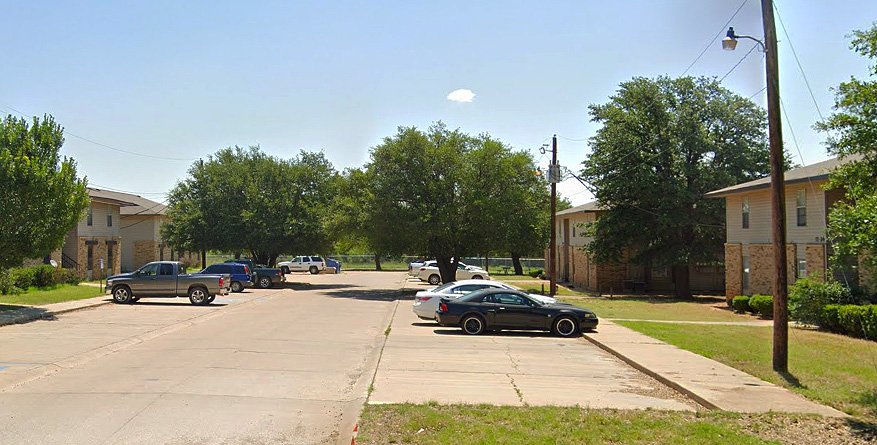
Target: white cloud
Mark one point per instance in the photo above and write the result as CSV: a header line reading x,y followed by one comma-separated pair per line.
x,y
461,95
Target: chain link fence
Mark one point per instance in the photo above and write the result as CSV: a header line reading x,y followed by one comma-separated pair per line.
x,y
495,265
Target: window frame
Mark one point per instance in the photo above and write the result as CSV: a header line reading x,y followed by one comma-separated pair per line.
x,y
745,211
801,207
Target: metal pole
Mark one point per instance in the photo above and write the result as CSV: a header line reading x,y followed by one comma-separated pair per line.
x,y
778,194
552,248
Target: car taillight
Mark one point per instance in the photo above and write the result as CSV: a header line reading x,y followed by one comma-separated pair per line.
x,y
443,307
221,281
279,273
246,270
423,298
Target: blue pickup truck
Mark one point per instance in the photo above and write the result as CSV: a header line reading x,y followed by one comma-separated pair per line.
x,y
240,274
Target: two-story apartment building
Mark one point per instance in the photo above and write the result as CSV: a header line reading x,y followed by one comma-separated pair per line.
x,y
96,237
749,262
575,266
141,232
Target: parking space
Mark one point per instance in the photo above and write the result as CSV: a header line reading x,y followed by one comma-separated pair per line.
x,y
424,362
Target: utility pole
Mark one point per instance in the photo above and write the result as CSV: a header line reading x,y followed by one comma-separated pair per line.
x,y
778,194
553,171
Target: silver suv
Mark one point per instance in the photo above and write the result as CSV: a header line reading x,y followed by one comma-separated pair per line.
x,y
312,264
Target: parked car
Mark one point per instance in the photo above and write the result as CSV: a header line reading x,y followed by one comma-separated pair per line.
x,y
312,264
167,279
334,263
240,274
429,272
495,309
261,275
426,302
414,266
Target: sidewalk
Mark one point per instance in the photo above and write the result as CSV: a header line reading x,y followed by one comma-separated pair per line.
x,y
712,384
31,313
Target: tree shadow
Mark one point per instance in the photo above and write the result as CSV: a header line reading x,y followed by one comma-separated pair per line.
x,y
664,299
374,294
15,314
310,286
864,429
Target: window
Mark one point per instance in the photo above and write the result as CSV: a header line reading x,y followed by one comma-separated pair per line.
x,y
110,257
510,299
88,220
746,212
166,269
802,269
149,270
573,231
801,207
90,262
109,220
745,274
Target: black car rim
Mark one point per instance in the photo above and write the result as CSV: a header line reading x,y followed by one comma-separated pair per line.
x,y
472,325
265,282
565,327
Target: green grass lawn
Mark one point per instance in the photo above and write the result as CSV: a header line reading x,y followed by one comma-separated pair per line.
x,y
829,368
485,424
57,294
651,307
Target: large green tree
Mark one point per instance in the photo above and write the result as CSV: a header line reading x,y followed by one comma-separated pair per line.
x,y
41,198
852,130
662,145
245,200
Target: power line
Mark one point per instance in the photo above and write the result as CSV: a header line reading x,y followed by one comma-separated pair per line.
x,y
125,191
758,92
739,62
715,37
798,61
99,144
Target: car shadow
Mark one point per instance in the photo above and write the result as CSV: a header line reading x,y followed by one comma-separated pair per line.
x,y
174,303
374,294
528,334
424,324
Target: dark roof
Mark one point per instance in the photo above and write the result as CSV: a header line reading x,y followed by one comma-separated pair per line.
x,y
130,204
812,172
584,208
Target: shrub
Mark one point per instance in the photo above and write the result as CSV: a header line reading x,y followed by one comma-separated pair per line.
x,y
535,273
740,303
829,317
808,297
6,284
66,276
23,277
44,276
762,305
858,321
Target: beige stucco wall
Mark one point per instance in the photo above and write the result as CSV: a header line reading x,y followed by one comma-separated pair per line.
x,y
136,228
99,225
760,216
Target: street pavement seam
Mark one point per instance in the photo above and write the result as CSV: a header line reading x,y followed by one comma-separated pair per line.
x,y
92,354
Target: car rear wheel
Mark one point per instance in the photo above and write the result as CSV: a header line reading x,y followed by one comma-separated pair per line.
x,y
566,327
198,296
122,294
472,325
434,279
264,282
236,286
313,270
477,277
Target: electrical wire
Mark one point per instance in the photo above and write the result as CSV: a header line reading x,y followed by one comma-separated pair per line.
x,y
102,187
99,144
739,62
798,62
708,45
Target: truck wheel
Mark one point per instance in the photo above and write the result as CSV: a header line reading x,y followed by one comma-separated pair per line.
x,y
285,270
236,286
264,282
122,294
314,270
210,300
198,296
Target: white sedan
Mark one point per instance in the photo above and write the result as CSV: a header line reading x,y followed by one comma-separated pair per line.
x,y
426,302
429,272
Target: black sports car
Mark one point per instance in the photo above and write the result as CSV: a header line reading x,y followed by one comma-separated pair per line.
x,y
509,309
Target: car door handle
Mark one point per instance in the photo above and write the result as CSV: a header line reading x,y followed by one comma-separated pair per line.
x,y
491,310
502,308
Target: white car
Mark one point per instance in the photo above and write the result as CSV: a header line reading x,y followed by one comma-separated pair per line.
x,y
426,302
429,272
312,264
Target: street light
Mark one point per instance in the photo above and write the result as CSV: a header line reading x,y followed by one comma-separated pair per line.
x,y
729,43
777,183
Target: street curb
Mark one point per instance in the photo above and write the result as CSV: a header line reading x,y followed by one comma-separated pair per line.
x,y
679,388
27,317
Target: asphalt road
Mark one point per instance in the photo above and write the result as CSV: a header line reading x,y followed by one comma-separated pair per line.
x,y
272,366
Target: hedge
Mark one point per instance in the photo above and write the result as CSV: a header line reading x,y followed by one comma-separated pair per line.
x,y
17,280
853,320
762,305
740,303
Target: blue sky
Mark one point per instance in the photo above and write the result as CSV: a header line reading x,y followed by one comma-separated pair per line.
x,y
184,79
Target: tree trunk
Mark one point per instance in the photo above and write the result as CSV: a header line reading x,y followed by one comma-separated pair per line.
x,y
487,263
447,268
682,281
516,262
203,258
272,261
378,261
237,255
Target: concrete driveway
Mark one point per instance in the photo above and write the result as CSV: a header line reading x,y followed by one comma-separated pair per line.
x,y
263,367
423,362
